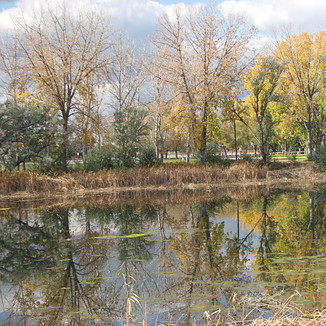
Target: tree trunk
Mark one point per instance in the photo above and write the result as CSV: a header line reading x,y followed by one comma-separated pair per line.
x,y
264,153
235,139
64,149
176,152
203,140
309,138
225,151
201,156
188,147
157,151
84,155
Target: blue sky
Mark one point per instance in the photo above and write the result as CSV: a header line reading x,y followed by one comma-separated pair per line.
x,y
6,4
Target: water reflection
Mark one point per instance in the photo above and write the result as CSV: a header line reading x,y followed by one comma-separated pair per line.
x,y
162,264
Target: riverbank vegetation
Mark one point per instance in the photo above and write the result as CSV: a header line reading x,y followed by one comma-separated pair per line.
x,y
169,175
165,176
198,93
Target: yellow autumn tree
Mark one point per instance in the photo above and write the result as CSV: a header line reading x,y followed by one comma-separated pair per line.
x,y
197,54
304,57
261,82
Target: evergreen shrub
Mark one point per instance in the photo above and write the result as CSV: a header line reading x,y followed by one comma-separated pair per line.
x,y
147,156
319,157
212,158
99,158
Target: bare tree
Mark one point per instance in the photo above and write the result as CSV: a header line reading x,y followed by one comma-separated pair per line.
x,y
198,55
13,76
62,51
125,74
90,118
158,110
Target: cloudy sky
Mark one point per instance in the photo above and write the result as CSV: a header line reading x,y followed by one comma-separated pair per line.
x,y
138,17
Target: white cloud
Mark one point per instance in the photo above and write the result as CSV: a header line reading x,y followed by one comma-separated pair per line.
x,y
302,15
136,17
6,19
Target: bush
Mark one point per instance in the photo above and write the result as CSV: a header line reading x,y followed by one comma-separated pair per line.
x,y
49,165
319,157
246,157
212,158
124,157
99,158
147,156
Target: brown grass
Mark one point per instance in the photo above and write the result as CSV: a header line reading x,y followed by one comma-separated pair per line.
x,y
284,313
163,176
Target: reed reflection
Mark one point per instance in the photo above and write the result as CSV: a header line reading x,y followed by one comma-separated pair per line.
x,y
164,263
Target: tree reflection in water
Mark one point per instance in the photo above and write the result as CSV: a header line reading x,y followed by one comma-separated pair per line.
x,y
163,264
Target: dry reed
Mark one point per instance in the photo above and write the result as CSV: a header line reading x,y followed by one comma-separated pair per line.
x,y
165,176
284,313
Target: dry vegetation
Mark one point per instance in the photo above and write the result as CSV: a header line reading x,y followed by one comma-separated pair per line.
x,y
162,176
253,313
167,184
167,176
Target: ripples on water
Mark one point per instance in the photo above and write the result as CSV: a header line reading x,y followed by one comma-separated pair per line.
x,y
162,260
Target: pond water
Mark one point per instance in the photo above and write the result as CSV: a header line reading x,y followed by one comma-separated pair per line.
x,y
162,262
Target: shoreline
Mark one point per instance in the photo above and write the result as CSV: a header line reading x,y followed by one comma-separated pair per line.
x,y
302,177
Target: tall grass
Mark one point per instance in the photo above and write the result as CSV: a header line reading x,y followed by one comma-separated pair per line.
x,y
161,176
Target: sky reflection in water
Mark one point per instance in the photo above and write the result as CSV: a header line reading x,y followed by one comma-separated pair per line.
x,y
162,264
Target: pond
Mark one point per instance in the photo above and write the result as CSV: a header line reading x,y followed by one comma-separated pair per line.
x,y
162,260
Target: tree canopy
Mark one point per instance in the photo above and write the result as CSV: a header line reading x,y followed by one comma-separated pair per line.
x,y
199,86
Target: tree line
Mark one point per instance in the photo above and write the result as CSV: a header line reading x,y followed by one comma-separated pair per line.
x,y
74,84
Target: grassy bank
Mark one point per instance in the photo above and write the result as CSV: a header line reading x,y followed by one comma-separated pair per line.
x,y
168,176
165,175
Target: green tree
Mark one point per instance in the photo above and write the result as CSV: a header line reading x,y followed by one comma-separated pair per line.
x,y
129,128
26,133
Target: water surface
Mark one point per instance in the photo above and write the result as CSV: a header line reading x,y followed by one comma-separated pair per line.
x,y
161,261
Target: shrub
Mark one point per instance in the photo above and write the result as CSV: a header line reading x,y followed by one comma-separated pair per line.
x,y
319,157
48,165
212,158
147,156
124,157
246,157
99,158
